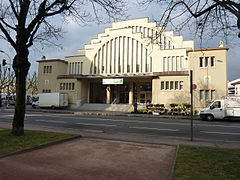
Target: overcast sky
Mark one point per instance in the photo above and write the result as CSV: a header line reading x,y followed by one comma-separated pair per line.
x,y
77,36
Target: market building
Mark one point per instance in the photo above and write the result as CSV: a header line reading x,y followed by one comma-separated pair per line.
x,y
137,61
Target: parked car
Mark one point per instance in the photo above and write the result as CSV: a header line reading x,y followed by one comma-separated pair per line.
x,y
35,101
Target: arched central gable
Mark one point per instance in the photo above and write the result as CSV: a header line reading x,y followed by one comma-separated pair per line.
x,y
121,55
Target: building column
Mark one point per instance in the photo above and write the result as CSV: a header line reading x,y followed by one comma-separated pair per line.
x,y
138,93
131,93
108,89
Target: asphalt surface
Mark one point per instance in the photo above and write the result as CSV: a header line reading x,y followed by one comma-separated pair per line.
x,y
98,155
111,122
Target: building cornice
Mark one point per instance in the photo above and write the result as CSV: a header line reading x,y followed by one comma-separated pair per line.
x,y
172,73
207,49
140,75
51,60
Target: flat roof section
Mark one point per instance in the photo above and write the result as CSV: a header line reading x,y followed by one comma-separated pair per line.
x,y
51,60
106,76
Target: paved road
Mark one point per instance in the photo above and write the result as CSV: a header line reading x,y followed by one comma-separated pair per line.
x,y
216,130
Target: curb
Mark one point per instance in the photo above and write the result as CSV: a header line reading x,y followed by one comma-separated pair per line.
x,y
41,146
135,115
111,113
174,163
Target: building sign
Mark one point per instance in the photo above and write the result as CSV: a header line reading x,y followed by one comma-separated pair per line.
x,y
207,79
112,81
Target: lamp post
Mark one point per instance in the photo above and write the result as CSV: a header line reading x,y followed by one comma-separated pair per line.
x,y
191,82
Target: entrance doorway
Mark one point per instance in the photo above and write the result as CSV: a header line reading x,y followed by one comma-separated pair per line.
x,y
124,94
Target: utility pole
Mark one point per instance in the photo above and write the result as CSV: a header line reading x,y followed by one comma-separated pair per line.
x,y
0,89
191,92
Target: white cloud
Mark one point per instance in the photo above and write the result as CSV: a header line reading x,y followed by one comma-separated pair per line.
x,y
77,36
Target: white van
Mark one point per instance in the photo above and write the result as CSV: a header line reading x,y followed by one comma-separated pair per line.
x,y
227,107
53,100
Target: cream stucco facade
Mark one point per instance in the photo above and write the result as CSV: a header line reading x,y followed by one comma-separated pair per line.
x,y
152,66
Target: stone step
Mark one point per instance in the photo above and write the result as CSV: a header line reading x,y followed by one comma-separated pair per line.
x,y
106,107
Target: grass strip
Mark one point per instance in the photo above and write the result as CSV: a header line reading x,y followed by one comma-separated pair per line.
x,y
10,144
206,163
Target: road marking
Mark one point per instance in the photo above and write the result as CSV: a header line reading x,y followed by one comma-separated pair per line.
x,y
149,122
90,124
147,128
132,121
62,122
223,133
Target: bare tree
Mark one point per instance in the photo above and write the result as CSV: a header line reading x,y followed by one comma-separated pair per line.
x,y
6,79
215,16
32,84
24,22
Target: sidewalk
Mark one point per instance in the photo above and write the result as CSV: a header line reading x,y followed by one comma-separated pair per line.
x,y
90,158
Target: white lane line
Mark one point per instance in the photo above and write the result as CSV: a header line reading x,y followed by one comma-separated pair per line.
x,y
132,121
223,133
147,128
91,124
62,122
149,122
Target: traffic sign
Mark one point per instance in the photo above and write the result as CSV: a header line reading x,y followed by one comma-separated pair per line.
x,y
194,86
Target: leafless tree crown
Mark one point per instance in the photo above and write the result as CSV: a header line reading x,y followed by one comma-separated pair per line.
x,y
211,17
35,18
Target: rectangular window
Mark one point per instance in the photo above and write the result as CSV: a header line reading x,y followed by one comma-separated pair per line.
x,y
162,85
181,62
81,68
75,72
176,85
207,95
169,64
137,70
174,64
73,86
201,61
63,86
66,86
163,64
206,61
212,61
171,85
70,66
78,68
44,69
167,84
177,63
181,85
201,94
128,68
212,94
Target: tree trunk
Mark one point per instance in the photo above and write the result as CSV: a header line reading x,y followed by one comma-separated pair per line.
x,y
21,67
